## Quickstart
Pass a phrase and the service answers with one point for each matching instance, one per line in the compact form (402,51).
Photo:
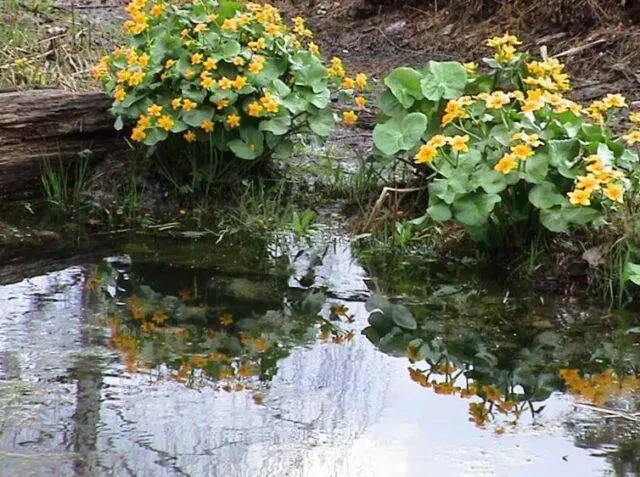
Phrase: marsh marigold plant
(233,75)
(505,147)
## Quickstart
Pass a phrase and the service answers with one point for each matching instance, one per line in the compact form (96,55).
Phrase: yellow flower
(615,101)
(210,64)
(272,29)
(506,164)
(348,83)
(200,27)
(426,154)
(229,24)
(136,78)
(233,120)
(138,134)
(123,76)
(459,143)
(119,94)
(207,82)
(189,74)
(497,99)
(154,110)
(144,122)
(189,136)
(270,103)
(166,122)
(471,67)
(614,192)
(534,102)
(169,63)
(589,182)
(225,83)
(349,117)
(256,66)
(259,44)
(438,141)
(240,82)
(212,18)
(361,102)
(522,151)
(238,60)
(633,136)
(634,117)
(176,103)
(188,105)
(157,10)
(223,103)
(361,80)
(313,48)
(532,140)
(196,59)
(255,109)
(143,60)
(207,125)
(580,197)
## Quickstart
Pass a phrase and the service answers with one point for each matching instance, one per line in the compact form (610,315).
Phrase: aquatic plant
(231,76)
(505,152)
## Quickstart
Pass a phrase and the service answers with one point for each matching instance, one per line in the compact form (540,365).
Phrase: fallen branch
(578,49)
(383,196)
(42,125)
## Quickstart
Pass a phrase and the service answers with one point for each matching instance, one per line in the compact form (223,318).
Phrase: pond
(170,358)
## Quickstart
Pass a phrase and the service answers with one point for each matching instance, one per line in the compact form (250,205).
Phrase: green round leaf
(443,80)
(404,84)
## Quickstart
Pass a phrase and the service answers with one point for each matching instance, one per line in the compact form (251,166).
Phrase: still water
(295,359)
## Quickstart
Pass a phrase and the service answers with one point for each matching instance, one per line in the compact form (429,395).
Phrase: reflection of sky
(343,411)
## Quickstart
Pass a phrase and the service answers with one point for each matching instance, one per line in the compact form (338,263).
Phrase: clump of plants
(233,78)
(505,151)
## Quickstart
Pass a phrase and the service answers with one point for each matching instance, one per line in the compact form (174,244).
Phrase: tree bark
(50,125)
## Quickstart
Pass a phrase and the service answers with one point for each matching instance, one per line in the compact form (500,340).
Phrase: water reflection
(201,360)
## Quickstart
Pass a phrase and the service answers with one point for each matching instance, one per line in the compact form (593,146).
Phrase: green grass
(42,44)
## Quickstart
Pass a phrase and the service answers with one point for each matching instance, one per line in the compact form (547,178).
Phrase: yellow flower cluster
(139,21)
(598,109)
(522,148)
(505,47)
(455,109)
(429,151)
(600,387)
(599,177)
(548,75)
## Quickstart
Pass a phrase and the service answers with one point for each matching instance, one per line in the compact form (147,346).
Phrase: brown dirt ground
(598,39)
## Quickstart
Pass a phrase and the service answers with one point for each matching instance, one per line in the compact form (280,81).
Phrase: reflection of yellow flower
(189,136)
(226,319)
(361,102)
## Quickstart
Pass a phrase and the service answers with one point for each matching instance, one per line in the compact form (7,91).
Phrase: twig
(610,412)
(396,46)
(383,196)
(577,49)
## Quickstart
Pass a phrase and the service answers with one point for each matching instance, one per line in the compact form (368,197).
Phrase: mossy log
(40,125)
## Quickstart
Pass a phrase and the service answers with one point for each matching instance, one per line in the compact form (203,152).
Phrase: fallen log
(40,125)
